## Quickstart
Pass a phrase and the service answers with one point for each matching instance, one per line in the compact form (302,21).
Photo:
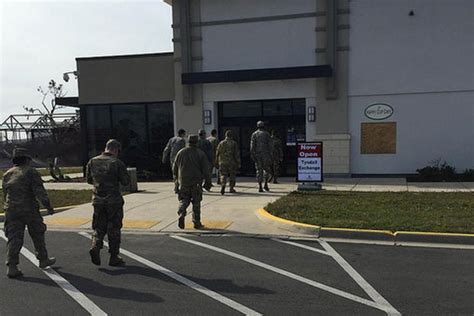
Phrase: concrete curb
(369,234)
(288,225)
(445,238)
(366,234)
(44,212)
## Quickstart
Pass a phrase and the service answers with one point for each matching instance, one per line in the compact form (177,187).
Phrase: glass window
(98,128)
(299,107)
(160,129)
(129,127)
(277,108)
(241,109)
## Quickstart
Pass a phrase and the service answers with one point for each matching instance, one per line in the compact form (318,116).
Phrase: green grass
(409,211)
(61,198)
(45,171)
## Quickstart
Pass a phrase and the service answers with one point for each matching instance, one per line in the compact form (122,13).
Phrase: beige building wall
(128,78)
(332,47)
(187,58)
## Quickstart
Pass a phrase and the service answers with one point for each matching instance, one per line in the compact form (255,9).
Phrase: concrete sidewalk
(154,207)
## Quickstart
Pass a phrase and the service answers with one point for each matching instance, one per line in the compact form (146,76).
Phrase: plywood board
(378,138)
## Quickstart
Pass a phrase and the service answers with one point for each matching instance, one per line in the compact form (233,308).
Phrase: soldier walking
(106,172)
(277,156)
(190,169)
(228,160)
(22,188)
(206,146)
(260,152)
(214,142)
(175,144)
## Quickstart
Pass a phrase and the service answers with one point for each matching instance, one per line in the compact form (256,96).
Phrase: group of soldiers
(192,166)
(23,187)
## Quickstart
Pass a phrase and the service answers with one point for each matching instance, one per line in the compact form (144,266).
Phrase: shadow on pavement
(228,286)
(89,286)
(137,270)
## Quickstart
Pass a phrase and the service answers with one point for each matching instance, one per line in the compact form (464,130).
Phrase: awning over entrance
(320,71)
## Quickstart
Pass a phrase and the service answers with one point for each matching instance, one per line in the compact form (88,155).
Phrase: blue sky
(41,39)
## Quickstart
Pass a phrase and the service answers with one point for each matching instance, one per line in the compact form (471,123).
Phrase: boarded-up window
(378,138)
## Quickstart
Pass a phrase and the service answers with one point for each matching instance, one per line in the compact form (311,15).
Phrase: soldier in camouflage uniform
(215,142)
(22,188)
(277,156)
(261,154)
(174,145)
(106,172)
(206,147)
(191,167)
(228,160)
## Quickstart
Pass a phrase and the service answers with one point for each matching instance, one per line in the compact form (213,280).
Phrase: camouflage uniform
(228,160)
(206,147)
(191,167)
(215,142)
(174,145)
(277,157)
(106,173)
(22,187)
(260,152)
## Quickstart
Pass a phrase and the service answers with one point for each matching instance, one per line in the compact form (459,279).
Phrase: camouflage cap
(229,134)
(201,132)
(20,152)
(260,124)
(193,139)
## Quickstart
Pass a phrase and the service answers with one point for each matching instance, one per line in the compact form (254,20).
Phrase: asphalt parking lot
(226,275)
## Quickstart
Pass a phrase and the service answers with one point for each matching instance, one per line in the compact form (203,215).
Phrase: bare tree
(50,94)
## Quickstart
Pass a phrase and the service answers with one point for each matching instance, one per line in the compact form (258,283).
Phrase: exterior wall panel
(122,79)
(421,65)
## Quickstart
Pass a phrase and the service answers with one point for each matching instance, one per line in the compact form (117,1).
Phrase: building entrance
(285,117)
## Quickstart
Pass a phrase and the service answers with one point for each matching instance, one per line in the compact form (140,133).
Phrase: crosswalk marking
(291,275)
(379,299)
(214,295)
(302,246)
(80,298)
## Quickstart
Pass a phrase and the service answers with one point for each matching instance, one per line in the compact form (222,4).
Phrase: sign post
(309,165)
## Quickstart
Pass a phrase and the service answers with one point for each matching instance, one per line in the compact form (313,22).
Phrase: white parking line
(379,299)
(302,246)
(80,298)
(214,295)
(291,275)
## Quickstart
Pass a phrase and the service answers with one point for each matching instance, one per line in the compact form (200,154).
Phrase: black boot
(266,186)
(44,263)
(181,222)
(95,255)
(198,225)
(116,261)
(222,189)
(260,189)
(232,190)
(13,271)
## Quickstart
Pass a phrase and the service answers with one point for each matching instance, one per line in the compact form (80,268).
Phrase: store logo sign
(378,111)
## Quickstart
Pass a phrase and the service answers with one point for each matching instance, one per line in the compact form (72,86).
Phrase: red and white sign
(309,162)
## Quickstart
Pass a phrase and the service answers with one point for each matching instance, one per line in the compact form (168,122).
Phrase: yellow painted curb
(434,234)
(66,221)
(287,224)
(356,230)
(140,224)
